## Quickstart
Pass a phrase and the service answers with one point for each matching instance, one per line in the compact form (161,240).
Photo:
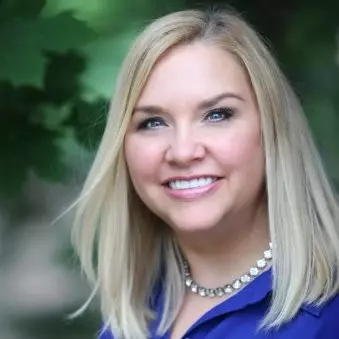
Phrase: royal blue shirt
(238,318)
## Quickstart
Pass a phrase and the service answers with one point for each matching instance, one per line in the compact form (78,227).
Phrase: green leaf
(104,56)
(61,78)
(21,8)
(88,121)
(23,43)
(45,156)
(25,143)
(107,16)
(13,170)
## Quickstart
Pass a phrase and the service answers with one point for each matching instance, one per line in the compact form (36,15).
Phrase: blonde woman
(207,208)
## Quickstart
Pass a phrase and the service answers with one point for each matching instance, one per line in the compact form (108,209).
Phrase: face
(193,147)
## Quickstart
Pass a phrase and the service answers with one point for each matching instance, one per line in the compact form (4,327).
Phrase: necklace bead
(238,283)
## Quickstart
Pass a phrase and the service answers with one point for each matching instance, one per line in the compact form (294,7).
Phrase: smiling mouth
(195,183)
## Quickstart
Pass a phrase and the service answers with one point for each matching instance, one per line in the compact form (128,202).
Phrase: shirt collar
(259,290)
(253,293)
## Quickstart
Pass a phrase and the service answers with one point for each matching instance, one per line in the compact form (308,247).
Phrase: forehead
(194,71)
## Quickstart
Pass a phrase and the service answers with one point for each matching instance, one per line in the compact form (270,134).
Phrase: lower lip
(189,194)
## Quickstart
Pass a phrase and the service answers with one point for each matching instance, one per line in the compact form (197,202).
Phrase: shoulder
(325,317)
(329,319)
(312,322)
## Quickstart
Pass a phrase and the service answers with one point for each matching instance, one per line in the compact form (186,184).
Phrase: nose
(184,148)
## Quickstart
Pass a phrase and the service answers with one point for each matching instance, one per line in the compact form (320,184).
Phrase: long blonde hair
(122,245)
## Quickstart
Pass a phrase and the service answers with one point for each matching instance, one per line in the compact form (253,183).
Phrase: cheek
(142,157)
(242,151)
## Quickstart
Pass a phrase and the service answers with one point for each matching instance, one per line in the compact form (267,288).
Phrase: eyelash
(143,125)
(226,112)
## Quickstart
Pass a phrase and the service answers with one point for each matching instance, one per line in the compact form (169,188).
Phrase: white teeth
(194,183)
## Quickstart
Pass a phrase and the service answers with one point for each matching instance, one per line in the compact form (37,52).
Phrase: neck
(228,251)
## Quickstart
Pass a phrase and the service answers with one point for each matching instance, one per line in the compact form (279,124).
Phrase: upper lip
(191,177)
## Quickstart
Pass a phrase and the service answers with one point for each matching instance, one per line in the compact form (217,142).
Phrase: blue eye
(219,114)
(151,123)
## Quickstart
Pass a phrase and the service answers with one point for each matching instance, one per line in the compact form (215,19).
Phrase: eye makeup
(214,115)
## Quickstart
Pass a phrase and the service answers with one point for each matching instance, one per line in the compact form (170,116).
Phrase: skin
(197,115)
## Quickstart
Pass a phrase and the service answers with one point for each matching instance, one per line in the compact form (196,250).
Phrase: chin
(194,224)
(194,217)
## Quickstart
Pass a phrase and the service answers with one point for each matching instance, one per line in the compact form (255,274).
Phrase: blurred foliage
(57,327)
(34,120)
(36,113)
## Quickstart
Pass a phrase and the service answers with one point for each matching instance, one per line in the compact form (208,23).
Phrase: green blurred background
(58,64)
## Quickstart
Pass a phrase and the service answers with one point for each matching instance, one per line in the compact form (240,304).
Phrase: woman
(207,202)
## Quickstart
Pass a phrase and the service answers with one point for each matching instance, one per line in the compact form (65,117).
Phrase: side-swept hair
(120,242)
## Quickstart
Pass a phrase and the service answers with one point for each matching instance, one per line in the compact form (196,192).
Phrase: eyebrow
(213,101)
(205,104)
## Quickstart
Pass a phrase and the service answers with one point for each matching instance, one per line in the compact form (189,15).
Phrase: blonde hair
(123,247)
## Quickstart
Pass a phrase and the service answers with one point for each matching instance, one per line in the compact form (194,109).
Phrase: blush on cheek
(244,146)
(142,160)
(237,153)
